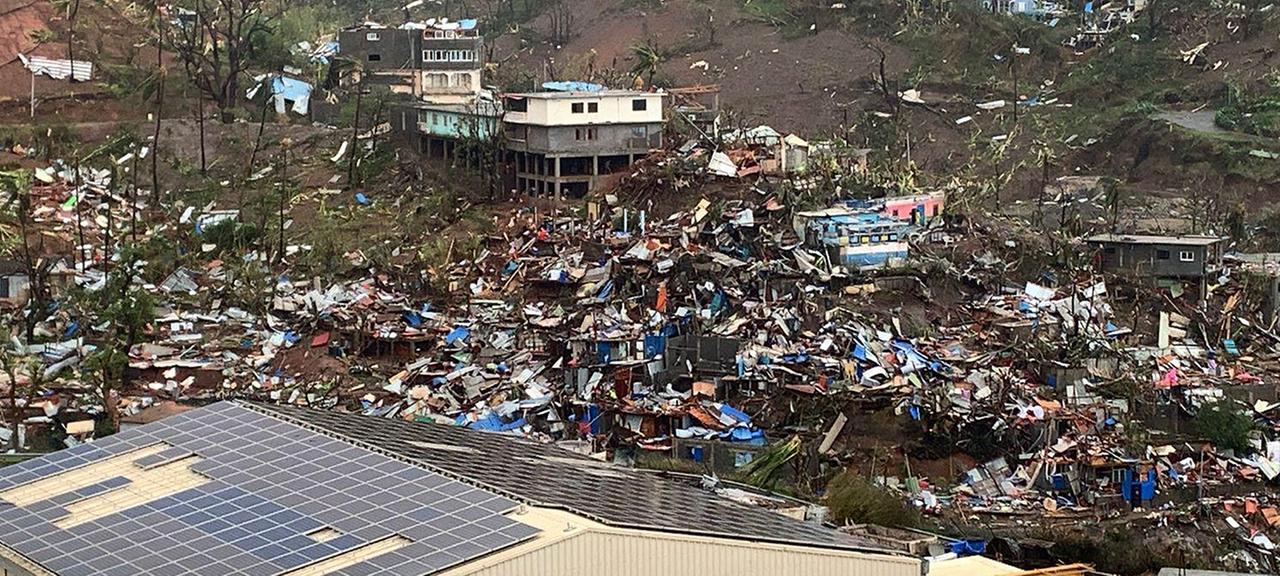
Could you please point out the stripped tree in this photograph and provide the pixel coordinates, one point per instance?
(216, 43)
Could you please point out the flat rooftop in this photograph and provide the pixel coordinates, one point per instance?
(555, 95)
(1191, 240)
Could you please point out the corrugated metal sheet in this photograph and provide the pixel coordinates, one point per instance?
(637, 553)
(58, 69)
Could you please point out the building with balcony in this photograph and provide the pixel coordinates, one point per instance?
(436, 60)
(565, 140)
(435, 130)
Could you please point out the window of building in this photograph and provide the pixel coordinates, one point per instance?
(1109, 250)
(639, 132)
(449, 55)
(517, 105)
(1162, 254)
(576, 108)
(371, 36)
(591, 133)
(445, 34)
(639, 105)
(593, 107)
(577, 133)
(1186, 256)
(934, 210)
(375, 57)
(436, 80)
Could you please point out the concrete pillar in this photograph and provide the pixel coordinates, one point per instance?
(595, 165)
(557, 187)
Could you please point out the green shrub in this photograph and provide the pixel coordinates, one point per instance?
(1225, 426)
(853, 499)
(232, 235)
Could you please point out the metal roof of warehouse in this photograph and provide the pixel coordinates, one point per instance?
(546, 475)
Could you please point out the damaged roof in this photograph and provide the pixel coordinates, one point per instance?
(226, 490)
(1155, 239)
(546, 475)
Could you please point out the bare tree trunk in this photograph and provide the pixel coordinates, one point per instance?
(257, 142)
(79, 219)
(355, 135)
(155, 135)
(111, 223)
(284, 194)
(72, 10)
(133, 195)
(204, 168)
(15, 415)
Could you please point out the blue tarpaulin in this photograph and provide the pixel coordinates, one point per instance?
(734, 413)
(969, 547)
(604, 350)
(654, 344)
(572, 87)
(491, 423)
(1146, 488)
(717, 301)
(605, 289)
(458, 334)
(593, 417)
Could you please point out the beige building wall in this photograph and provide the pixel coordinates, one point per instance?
(612, 108)
(573, 545)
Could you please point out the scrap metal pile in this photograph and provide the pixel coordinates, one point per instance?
(707, 325)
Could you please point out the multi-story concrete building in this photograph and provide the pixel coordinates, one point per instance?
(435, 130)
(564, 142)
(436, 60)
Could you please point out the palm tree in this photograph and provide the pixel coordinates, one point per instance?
(647, 60)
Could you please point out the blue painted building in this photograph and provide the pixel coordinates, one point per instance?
(855, 239)
(437, 128)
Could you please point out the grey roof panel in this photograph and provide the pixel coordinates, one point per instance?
(546, 475)
(239, 522)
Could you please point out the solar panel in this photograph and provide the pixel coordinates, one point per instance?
(546, 474)
(267, 485)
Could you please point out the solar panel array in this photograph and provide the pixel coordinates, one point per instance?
(271, 484)
(549, 475)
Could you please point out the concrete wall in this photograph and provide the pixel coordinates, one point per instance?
(611, 108)
(437, 83)
(395, 49)
(454, 125)
(1159, 260)
(573, 140)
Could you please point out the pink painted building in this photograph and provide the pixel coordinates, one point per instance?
(918, 209)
